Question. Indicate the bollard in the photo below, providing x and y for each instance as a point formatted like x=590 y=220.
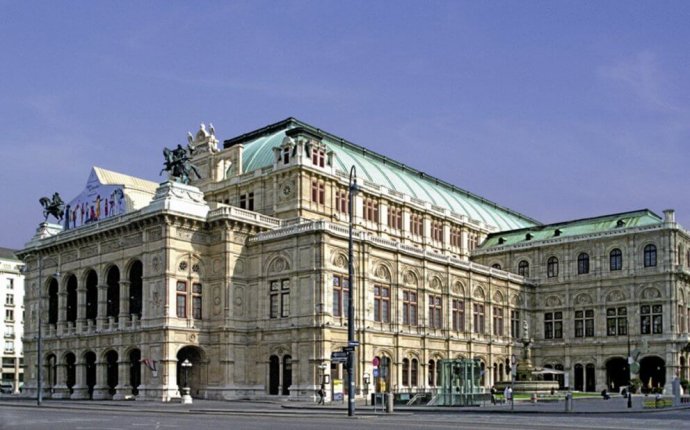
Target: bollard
x=389 y=403
x=568 y=402
x=534 y=398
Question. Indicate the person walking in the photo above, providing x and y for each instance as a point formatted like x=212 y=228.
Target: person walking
x=322 y=395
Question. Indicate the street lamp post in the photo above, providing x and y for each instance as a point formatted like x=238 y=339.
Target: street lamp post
x=186 y=397
x=350 y=298
x=630 y=361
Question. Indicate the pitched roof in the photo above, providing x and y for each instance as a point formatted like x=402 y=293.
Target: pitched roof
x=381 y=170
x=8 y=254
x=108 y=177
x=600 y=224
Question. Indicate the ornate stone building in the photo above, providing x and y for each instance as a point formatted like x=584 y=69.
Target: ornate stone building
x=244 y=273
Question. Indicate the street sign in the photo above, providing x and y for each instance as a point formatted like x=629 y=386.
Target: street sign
x=376 y=372
x=353 y=343
x=339 y=356
x=513 y=360
x=376 y=362
x=348 y=348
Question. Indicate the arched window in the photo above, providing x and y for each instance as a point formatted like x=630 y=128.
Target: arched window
x=71 y=313
x=91 y=295
x=583 y=263
x=113 y=295
x=649 y=256
x=432 y=371
x=53 y=302
x=523 y=268
x=135 y=288
x=616 y=259
x=406 y=372
x=496 y=266
x=414 y=380
x=552 y=267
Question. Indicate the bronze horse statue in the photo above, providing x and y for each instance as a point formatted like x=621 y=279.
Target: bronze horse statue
x=177 y=164
x=54 y=207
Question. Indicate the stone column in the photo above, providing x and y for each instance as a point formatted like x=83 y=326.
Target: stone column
x=81 y=308
x=101 y=389
x=60 y=390
x=62 y=313
x=123 y=317
x=101 y=320
x=80 y=389
x=123 y=388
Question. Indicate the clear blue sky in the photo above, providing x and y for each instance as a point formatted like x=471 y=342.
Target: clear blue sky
x=557 y=109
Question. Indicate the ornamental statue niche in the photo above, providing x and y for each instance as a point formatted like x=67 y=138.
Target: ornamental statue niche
x=54 y=207
x=178 y=165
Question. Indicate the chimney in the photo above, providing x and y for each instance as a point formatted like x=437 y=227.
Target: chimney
x=670 y=215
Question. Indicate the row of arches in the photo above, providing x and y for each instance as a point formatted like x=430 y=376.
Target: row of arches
x=89 y=299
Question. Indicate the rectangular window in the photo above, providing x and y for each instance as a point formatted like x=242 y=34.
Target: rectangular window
x=617 y=321
x=498 y=321
x=416 y=224
x=371 y=210
x=409 y=308
x=286 y=155
x=681 y=319
x=318 y=157
x=10 y=284
x=318 y=192
x=584 y=323
x=472 y=240
x=9 y=346
x=196 y=301
x=458 y=315
x=553 y=325
x=435 y=312
x=9 y=331
x=342 y=202
x=515 y=324
x=478 y=318
x=341 y=287
x=651 y=317
x=395 y=217
x=247 y=201
x=9 y=299
x=455 y=237
x=9 y=315
x=437 y=231
x=279 y=300
x=382 y=303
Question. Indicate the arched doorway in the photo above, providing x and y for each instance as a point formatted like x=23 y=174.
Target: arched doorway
x=71 y=371
x=91 y=296
x=652 y=373
x=53 y=302
x=383 y=384
x=51 y=373
x=591 y=378
x=287 y=374
x=135 y=370
x=273 y=374
x=135 y=288
x=113 y=296
x=196 y=374
x=617 y=373
x=560 y=377
x=579 y=377
x=112 y=371
x=90 y=369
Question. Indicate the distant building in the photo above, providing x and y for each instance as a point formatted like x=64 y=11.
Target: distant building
x=11 y=325
x=244 y=273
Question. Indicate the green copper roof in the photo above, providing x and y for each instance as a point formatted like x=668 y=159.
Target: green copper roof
x=602 y=224
x=258 y=153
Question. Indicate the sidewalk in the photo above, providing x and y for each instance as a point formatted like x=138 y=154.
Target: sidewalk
x=616 y=404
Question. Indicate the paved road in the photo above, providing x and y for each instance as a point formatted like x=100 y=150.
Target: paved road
x=257 y=416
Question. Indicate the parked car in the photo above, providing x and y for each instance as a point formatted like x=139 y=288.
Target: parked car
x=6 y=388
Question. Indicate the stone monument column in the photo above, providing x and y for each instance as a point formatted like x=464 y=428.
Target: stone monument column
x=80 y=390
x=102 y=319
x=101 y=391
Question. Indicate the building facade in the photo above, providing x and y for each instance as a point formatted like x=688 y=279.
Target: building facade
x=244 y=273
x=12 y=311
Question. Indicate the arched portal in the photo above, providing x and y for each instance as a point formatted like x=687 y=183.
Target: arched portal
x=591 y=378
x=287 y=374
x=113 y=296
x=135 y=288
x=196 y=374
x=135 y=370
x=91 y=295
x=112 y=370
x=90 y=369
x=72 y=299
x=71 y=371
x=579 y=378
x=652 y=373
x=53 y=302
x=617 y=373
x=273 y=374
x=51 y=372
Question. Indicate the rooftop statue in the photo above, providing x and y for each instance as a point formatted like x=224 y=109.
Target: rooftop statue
x=54 y=207
x=178 y=165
